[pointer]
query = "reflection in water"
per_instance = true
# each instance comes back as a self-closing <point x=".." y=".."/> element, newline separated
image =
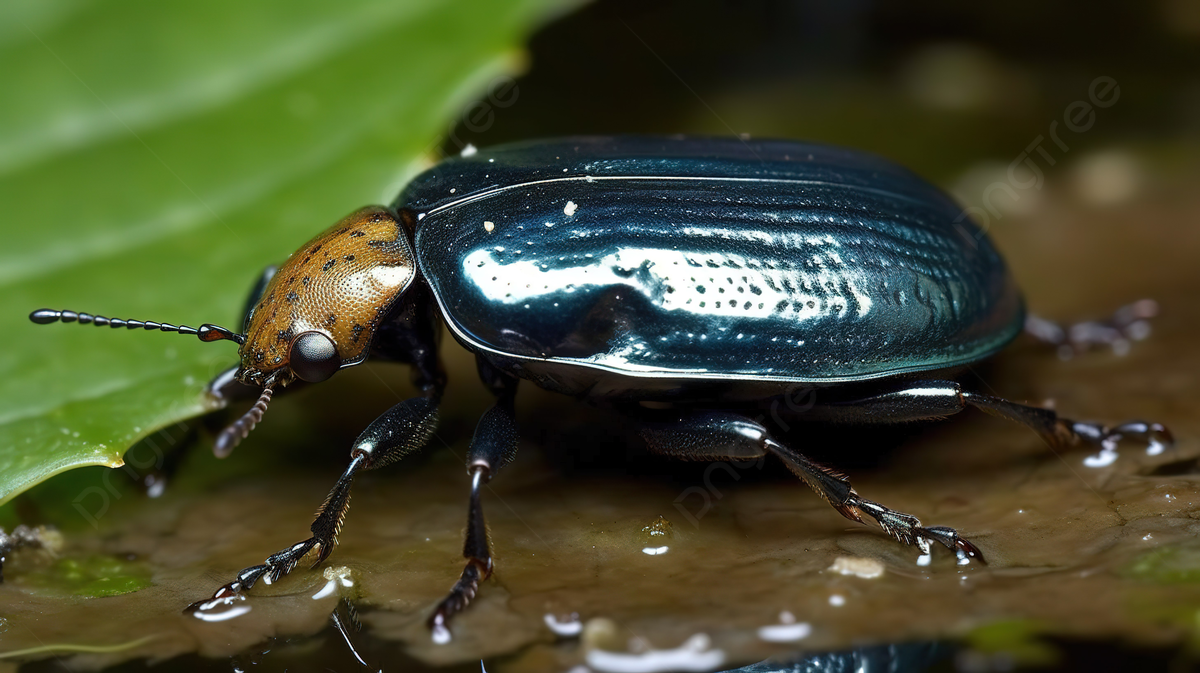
<point x="343" y="626"/>
<point x="567" y="628"/>
<point x="220" y="608"/>
<point x="695" y="654"/>
<point x="786" y="631"/>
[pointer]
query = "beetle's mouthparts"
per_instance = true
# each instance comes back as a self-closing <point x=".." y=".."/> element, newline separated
<point x="233" y="435"/>
<point x="206" y="332"/>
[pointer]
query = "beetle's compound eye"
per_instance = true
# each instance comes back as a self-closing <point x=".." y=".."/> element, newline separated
<point x="313" y="357"/>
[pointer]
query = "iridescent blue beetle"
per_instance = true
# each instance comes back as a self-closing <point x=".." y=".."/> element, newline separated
<point x="686" y="282"/>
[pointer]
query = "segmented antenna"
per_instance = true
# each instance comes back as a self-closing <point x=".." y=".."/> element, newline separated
<point x="233" y="435"/>
<point x="206" y="332"/>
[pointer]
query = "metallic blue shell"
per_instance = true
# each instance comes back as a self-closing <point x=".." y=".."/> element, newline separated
<point x="690" y="260"/>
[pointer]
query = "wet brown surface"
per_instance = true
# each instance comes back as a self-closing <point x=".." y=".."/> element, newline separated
<point x="1097" y="553"/>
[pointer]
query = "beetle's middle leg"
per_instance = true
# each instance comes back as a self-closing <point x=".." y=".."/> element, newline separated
<point x="715" y="435"/>
<point x="492" y="447"/>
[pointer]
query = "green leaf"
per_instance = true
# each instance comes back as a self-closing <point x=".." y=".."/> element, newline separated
<point x="155" y="156"/>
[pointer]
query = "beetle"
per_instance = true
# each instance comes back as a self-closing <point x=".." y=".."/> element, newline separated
<point x="685" y="282"/>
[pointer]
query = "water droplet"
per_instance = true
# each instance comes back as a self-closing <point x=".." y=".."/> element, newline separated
<point x="568" y="628"/>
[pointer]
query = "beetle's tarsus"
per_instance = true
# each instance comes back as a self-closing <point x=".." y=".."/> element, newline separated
<point x="897" y="524"/>
<point x="276" y="567"/>
<point x="1064" y="433"/>
<point x="948" y="537"/>
<point x="245" y="580"/>
<point x="907" y="529"/>
<point x="283" y="562"/>
<point x="835" y="488"/>
<point x="461" y="594"/>
<point x="325" y="529"/>
<point x="965" y="548"/>
<point x="401" y="429"/>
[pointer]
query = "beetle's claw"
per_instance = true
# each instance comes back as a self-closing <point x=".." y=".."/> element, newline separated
<point x="948" y="537"/>
<point x="969" y="551"/>
<point x="248" y="578"/>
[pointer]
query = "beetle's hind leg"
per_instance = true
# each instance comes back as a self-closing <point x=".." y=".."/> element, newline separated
<point x="492" y="447"/>
<point x="401" y="430"/>
<point x="712" y="435"/>
<point x="927" y="400"/>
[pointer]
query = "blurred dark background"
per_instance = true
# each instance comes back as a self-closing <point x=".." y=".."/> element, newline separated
<point x="935" y="85"/>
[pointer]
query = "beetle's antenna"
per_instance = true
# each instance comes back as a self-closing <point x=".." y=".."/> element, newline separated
<point x="206" y="332"/>
<point x="233" y="435"/>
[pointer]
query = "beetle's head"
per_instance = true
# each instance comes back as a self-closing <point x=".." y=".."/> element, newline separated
<point x="317" y="314"/>
<point x="321" y="309"/>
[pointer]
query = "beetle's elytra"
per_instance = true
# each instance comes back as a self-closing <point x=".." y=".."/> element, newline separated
<point x="703" y="277"/>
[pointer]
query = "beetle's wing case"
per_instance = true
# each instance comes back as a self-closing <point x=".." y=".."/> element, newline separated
<point x="689" y="259"/>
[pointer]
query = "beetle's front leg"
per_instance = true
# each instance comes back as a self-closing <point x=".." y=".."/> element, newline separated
<point x="401" y="430"/>
<point x="492" y="447"/>
<point x="713" y="435"/>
